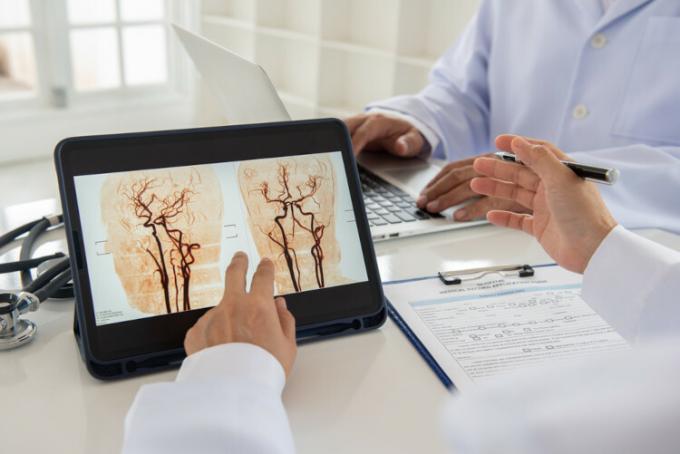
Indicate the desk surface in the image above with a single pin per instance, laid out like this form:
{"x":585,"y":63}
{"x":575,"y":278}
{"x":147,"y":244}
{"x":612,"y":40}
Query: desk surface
{"x":365,"y":393}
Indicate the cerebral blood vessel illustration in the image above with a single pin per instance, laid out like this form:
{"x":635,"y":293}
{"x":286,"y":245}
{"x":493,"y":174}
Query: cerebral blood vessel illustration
{"x":163,"y":229}
{"x":291,"y":215}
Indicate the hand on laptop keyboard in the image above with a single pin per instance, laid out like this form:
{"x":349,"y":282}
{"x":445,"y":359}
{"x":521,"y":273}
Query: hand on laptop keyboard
{"x":387,"y":204}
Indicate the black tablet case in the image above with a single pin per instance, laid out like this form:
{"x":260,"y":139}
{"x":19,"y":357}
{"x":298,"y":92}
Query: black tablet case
{"x":156,"y":362}
{"x":163,"y":360}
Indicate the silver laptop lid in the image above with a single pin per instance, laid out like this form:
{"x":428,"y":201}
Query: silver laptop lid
{"x":243,"y":88}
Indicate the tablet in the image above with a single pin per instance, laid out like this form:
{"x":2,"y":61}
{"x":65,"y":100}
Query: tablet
{"x":153,"y":220}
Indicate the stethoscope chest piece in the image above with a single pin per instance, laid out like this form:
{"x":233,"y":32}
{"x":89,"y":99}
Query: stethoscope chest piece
{"x":14,"y":331}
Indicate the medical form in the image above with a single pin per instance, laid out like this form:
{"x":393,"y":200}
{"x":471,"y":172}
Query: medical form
{"x":486,"y":328}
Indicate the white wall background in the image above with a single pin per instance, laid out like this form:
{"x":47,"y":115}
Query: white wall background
{"x":332,"y":57}
{"x":326,"y":58}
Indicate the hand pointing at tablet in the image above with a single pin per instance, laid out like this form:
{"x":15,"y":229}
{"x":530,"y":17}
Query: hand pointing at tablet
{"x":253,"y":317}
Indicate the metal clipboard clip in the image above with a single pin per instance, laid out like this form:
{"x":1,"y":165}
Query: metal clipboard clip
{"x":459,"y":276}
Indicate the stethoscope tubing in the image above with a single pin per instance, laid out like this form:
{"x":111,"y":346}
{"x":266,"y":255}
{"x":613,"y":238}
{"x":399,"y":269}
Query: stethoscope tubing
{"x":29,"y":242}
{"x":21,"y":265}
{"x":53,"y":282}
{"x":12,"y":235}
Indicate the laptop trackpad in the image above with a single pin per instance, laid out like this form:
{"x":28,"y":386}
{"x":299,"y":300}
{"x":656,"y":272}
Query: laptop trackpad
{"x":409,"y":174}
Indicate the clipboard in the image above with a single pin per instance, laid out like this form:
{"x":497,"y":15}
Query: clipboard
{"x":420,"y":348}
{"x":608,"y":337}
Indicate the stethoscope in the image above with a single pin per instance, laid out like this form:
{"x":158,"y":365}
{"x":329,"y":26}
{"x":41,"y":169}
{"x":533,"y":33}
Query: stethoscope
{"x":51,"y":282}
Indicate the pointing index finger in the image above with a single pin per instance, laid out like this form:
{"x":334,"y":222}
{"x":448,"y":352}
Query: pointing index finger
{"x":235,"y":280}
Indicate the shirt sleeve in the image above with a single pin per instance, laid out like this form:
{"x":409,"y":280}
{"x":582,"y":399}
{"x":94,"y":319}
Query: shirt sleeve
{"x":622,"y":403}
{"x":452,"y":111}
{"x":634,"y":284}
{"x":225,"y":399}
{"x":646,"y":194}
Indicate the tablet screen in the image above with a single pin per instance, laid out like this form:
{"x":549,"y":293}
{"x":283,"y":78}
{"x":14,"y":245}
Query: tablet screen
{"x":158,"y":241}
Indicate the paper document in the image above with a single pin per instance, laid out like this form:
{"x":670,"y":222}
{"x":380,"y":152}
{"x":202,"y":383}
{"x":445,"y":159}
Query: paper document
{"x":488,"y":327}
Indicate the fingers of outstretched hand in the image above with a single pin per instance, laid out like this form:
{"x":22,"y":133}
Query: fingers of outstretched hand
{"x":504,"y":190}
{"x":507,"y":171}
{"x":504,"y":142}
{"x":541,"y":160}
{"x":478,"y":209}
{"x":517,"y":221}
{"x":235,"y":278}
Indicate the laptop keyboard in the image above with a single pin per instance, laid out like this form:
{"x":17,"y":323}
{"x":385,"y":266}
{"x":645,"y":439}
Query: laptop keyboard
{"x":387,"y":204}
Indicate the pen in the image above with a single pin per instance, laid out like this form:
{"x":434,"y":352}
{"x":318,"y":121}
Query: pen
{"x":590,"y":173}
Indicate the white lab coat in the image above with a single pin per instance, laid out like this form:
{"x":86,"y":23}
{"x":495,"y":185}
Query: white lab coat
{"x":603,"y":86}
{"x":228,"y":398}
{"x":626,"y":403}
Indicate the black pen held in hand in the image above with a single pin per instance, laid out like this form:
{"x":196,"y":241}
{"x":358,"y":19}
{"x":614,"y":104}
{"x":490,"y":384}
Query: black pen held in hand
{"x":590,"y":173}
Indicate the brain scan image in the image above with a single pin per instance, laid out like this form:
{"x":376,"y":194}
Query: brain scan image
{"x":291,"y":215}
{"x":163,"y":232}
{"x":158,"y":241}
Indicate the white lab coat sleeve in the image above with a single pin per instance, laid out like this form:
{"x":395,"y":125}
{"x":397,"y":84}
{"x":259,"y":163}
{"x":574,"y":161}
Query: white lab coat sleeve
{"x":624,"y":402}
{"x":634,"y":284}
{"x":452,"y":111}
{"x":611,"y":404}
{"x":646,"y":194}
{"x":226,"y":399}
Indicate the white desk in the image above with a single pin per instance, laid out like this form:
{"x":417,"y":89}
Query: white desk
{"x":367,"y":393}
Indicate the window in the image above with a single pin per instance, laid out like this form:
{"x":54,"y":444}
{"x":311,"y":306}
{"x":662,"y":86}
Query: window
{"x":58,"y":52}
{"x":117,"y":43}
{"x":17,"y":59}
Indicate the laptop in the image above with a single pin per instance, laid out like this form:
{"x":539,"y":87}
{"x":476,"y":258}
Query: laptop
{"x":390,"y":184}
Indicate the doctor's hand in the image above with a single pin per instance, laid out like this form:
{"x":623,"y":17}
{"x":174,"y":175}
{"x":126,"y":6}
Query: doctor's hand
{"x":569,"y":218}
{"x":377,"y":132}
{"x":451,"y":186}
{"x":253,"y":317}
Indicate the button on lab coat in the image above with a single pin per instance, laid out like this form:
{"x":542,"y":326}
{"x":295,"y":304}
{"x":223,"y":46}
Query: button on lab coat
{"x":603,"y":86}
